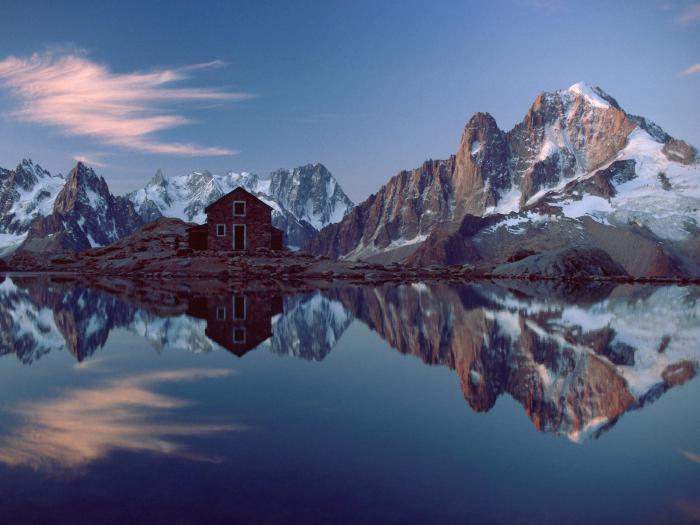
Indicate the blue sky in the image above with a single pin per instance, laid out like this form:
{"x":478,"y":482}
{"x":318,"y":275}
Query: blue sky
{"x":367,"y":88}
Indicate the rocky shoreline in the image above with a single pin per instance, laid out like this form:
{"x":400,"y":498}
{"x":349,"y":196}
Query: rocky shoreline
{"x":157,"y":252}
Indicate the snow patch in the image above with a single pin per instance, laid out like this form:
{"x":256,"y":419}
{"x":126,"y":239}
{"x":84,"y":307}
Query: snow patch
{"x":475,"y":148}
{"x":586,"y":91}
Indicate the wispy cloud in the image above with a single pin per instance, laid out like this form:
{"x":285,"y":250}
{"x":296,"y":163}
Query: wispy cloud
{"x":690,"y":15}
{"x":93,"y":159}
{"x":82,"y":97}
{"x":695,"y":68}
{"x":86,"y":424}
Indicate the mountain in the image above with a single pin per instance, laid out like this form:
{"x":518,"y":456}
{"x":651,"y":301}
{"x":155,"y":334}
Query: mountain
{"x":27,"y":192}
{"x":84,"y":215}
{"x":311,"y":193}
{"x":304,"y":200}
{"x":577,"y":173}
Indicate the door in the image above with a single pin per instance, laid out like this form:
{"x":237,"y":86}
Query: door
{"x":239,"y":240}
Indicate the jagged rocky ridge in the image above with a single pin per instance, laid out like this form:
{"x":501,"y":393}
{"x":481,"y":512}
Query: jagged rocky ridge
{"x":304,"y":200}
{"x":85,"y":215}
{"x":577,"y":173}
{"x":46,"y":214}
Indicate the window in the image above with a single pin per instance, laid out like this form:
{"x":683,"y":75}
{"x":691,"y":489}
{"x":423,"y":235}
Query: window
{"x":239,"y":208}
{"x":239,"y":307}
{"x":221,"y":313}
{"x":239,"y":335}
{"x":220,"y":230}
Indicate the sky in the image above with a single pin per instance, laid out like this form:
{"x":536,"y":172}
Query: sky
{"x":367,"y":88}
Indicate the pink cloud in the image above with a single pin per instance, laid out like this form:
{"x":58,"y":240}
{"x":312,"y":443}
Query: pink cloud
{"x":695,"y":68}
{"x":82,"y":97}
{"x":84,"y":425}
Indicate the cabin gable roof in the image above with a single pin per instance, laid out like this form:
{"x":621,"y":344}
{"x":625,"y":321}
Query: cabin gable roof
{"x":237,"y":192}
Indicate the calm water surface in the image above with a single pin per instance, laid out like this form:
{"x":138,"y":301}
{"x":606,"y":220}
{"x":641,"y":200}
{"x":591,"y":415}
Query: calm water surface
{"x":489,"y":403}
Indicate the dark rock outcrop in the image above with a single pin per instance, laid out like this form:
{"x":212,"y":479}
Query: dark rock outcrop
{"x":602,"y":183}
{"x":570,"y":262}
{"x":680,"y":151}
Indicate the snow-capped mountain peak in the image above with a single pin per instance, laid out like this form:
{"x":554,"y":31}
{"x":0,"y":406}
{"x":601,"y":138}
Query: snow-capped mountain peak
{"x":27,"y":192}
{"x":186,"y":196}
{"x":576,"y":157}
{"x":593,"y":95}
{"x":84,"y":215}
{"x":311,"y":193}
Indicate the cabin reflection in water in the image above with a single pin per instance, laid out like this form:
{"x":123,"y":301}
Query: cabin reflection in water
{"x":239,"y":322}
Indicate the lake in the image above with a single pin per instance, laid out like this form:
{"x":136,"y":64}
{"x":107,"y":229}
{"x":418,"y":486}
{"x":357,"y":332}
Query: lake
{"x":494,"y":402}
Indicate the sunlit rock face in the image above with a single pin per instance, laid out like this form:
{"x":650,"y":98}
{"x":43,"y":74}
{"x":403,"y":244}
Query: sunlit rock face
{"x":576,"y":157}
{"x":575,"y":367}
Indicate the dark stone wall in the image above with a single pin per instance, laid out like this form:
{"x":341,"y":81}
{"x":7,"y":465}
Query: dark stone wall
{"x":198,"y":237}
{"x":258,"y":221}
{"x":257,"y":325}
{"x":277,"y":239}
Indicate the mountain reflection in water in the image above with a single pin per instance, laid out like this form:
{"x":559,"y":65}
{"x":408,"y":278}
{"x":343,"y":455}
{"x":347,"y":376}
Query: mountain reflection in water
{"x":575,"y":358}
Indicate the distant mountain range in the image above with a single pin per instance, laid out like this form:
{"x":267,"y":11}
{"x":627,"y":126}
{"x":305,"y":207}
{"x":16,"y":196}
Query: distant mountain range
{"x":303,"y":200}
{"x":578,"y":178}
{"x":40,"y":212}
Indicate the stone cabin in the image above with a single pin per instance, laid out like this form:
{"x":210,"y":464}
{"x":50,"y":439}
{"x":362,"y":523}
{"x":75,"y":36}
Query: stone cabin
{"x":238,"y":221}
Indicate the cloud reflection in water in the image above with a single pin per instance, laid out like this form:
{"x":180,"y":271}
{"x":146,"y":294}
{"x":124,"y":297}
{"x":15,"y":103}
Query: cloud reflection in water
{"x":86,"y":424}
